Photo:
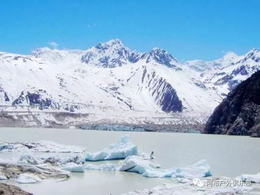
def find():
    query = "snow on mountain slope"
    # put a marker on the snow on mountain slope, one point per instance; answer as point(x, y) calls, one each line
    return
point(110, 55)
point(201, 66)
point(110, 82)
point(224, 74)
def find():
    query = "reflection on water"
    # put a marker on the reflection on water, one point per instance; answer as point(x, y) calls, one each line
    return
point(227, 155)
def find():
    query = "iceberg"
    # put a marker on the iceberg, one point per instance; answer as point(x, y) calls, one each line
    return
point(41, 146)
point(148, 169)
point(120, 150)
point(27, 178)
point(28, 158)
point(12, 169)
point(101, 167)
point(2, 177)
point(77, 159)
point(190, 189)
point(137, 164)
point(48, 146)
point(73, 167)
point(250, 178)
point(53, 160)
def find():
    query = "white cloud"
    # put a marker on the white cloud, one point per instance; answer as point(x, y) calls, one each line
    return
point(54, 44)
point(93, 25)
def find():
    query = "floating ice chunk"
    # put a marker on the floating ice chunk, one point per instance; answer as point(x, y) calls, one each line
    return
point(6, 147)
point(148, 169)
point(102, 167)
point(199, 169)
point(120, 150)
point(2, 177)
point(73, 167)
point(183, 180)
point(251, 178)
point(242, 189)
point(54, 160)
point(16, 170)
point(27, 178)
point(61, 180)
point(41, 146)
point(190, 189)
point(28, 159)
point(138, 165)
point(47, 146)
point(77, 159)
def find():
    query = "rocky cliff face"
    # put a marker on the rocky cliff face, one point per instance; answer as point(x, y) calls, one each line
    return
point(6, 189)
point(239, 113)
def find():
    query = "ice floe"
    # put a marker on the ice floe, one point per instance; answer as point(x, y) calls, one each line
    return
point(73, 167)
point(41, 146)
point(28, 158)
point(119, 150)
point(2, 177)
point(190, 189)
point(138, 165)
point(101, 167)
point(27, 178)
point(250, 178)
point(13, 169)
point(148, 169)
point(76, 158)
point(53, 160)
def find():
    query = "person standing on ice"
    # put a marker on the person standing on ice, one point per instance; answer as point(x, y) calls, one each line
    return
point(151, 155)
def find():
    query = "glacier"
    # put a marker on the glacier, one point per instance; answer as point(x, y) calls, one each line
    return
point(148, 169)
point(119, 150)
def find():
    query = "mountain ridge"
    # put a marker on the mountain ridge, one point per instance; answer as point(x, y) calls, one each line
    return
point(114, 83)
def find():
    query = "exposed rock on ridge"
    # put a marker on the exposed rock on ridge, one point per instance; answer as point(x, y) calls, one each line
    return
point(239, 113)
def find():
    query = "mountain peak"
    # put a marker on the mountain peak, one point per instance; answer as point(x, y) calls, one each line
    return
point(114, 43)
point(156, 49)
point(161, 56)
point(255, 50)
point(230, 55)
point(159, 51)
point(253, 54)
point(38, 52)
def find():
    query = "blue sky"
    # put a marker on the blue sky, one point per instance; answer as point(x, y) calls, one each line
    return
point(188, 29)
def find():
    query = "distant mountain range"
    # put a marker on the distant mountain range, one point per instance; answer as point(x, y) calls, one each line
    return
point(111, 83)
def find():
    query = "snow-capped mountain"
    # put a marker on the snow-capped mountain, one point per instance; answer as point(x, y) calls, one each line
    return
point(112, 83)
point(224, 74)
point(110, 55)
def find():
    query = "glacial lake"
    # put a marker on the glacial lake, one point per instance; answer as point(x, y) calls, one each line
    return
point(227, 155)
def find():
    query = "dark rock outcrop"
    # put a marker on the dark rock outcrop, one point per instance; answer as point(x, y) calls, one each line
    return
point(32, 99)
point(239, 113)
point(6, 189)
point(164, 94)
